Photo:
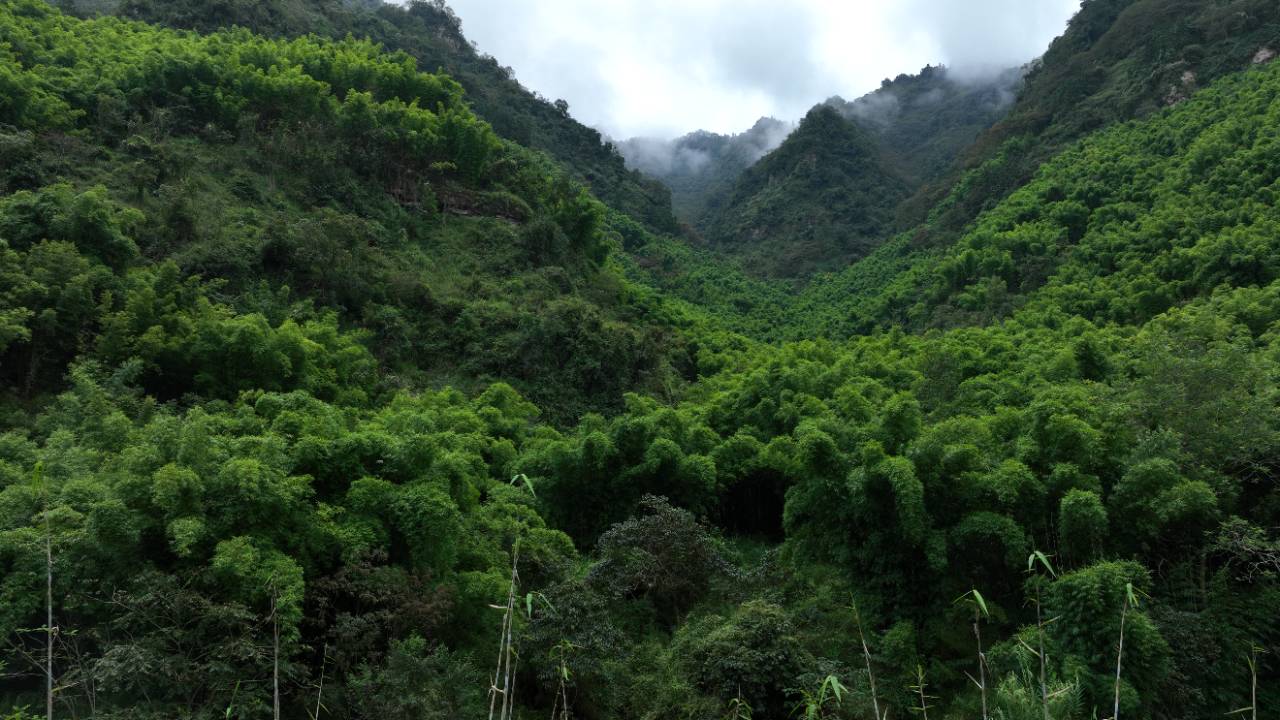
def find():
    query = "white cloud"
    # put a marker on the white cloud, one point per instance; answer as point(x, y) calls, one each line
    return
point(665, 67)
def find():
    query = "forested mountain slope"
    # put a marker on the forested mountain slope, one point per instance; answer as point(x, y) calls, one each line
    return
point(432, 34)
point(1119, 228)
point(924, 121)
point(237, 274)
point(831, 192)
point(1118, 60)
point(826, 195)
point(313, 165)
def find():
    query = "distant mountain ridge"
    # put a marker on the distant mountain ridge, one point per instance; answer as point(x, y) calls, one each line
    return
point(828, 193)
point(701, 167)
point(924, 120)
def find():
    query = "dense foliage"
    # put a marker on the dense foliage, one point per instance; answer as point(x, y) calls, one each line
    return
point(823, 198)
point(241, 278)
point(331, 169)
point(432, 34)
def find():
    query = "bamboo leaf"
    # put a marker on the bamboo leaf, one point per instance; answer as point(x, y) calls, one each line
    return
point(528, 484)
point(1039, 557)
point(982, 603)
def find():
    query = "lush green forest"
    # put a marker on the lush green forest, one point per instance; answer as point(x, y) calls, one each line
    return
point(324, 394)
point(432, 34)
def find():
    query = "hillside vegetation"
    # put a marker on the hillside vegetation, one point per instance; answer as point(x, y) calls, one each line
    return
point(432, 34)
point(365, 188)
point(825, 196)
point(318, 397)
point(1118, 60)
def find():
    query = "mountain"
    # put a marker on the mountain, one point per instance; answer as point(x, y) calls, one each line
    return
point(1096, 75)
point(830, 193)
point(432, 34)
point(320, 398)
point(924, 121)
point(1092, 77)
point(417, 226)
point(825, 196)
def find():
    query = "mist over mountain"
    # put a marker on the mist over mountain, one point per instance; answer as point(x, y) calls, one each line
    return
point(919, 123)
point(925, 120)
point(905, 134)
point(702, 166)
point(721, 64)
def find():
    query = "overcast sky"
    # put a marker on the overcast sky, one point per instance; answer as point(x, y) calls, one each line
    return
point(666, 67)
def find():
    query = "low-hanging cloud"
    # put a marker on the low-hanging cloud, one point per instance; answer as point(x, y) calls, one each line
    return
point(983, 37)
point(691, 155)
point(664, 67)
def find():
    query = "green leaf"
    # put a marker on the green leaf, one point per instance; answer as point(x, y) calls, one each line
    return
point(1041, 558)
point(978, 601)
point(528, 484)
point(1132, 594)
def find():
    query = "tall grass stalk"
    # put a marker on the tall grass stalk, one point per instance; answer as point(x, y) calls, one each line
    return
point(974, 599)
point(1252, 660)
point(1042, 560)
point(739, 709)
point(919, 689)
point(324, 661)
point(1130, 601)
point(1253, 673)
point(503, 674)
point(866, 655)
point(49, 630)
point(275, 651)
point(561, 653)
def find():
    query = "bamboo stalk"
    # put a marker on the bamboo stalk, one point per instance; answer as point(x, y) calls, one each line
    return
point(982, 666)
point(866, 655)
point(275, 653)
point(48, 594)
point(1044, 682)
point(1124, 610)
point(324, 659)
point(505, 670)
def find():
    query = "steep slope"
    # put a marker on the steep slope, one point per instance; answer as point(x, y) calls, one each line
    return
point(1119, 228)
point(825, 196)
point(924, 121)
point(701, 167)
point(432, 34)
point(306, 180)
point(1095, 75)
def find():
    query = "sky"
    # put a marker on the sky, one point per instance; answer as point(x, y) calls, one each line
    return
point(662, 68)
